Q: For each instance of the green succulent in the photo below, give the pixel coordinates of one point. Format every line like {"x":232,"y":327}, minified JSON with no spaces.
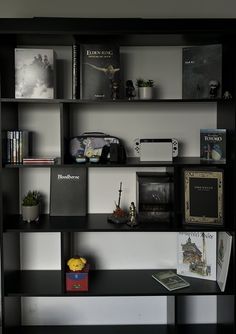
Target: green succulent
{"x":144,"y":83}
{"x":32,"y":198}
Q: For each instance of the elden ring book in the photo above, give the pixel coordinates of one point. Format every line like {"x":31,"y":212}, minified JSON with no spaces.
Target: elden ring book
{"x":197,"y":254}
{"x":34,"y":73}
{"x":100,"y":69}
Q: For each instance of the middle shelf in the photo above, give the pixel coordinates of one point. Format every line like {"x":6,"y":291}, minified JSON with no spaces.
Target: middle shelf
{"x":104,"y":283}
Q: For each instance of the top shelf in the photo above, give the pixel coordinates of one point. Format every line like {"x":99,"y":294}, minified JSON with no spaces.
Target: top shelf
{"x":74,"y":101}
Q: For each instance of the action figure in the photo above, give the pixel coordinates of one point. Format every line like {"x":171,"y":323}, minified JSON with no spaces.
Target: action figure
{"x":115,"y":90}
{"x":130,"y":90}
{"x":132,"y":215}
{"x":214,"y":86}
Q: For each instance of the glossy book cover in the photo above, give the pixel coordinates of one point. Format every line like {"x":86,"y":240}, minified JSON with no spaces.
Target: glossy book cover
{"x":197,"y":254}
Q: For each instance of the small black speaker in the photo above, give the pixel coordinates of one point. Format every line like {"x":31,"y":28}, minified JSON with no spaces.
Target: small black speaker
{"x":117,"y":153}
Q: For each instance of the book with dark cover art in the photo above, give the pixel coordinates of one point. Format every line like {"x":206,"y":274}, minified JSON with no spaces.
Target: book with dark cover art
{"x":202,"y":72}
{"x":213,"y":144}
{"x":100,"y":68}
{"x":68,"y":191}
{"x":203,"y":196}
{"x":34,"y":73}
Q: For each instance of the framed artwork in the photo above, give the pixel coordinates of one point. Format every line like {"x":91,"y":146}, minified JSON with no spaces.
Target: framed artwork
{"x":203,"y":197}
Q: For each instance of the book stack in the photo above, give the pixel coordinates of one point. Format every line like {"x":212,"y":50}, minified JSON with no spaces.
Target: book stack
{"x":39,"y":161}
{"x":17,"y":146}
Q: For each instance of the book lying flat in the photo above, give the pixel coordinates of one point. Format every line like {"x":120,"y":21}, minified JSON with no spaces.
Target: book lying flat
{"x":170,"y":280}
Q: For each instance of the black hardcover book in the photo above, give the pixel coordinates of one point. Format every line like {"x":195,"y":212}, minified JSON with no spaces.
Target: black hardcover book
{"x":100,"y":69}
{"x":203,"y":191}
{"x":75,"y":71}
{"x":213,"y":144}
{"x":202,"y":72}
{"x":68,"y":191}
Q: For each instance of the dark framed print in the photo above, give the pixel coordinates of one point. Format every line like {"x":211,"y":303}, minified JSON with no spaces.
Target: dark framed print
{"x":203,"y":197}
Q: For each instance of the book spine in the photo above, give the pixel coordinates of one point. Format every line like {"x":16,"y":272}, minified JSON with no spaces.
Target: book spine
{"x":13,"y":147}
{"x":25,"y":144}
{"x":17,"y":135}
{"x":9,"y":147}
{"x":75,"y":72}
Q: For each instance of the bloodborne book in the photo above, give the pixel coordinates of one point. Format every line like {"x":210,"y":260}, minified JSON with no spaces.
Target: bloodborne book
{"x":68,"y":191}
{"x":202,"y":72}
{"x":213,"y":144}
{"x":100,"y":69}
{"x":203,"y":196}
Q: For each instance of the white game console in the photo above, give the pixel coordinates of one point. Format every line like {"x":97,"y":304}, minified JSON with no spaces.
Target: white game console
{"x":156,"y":149}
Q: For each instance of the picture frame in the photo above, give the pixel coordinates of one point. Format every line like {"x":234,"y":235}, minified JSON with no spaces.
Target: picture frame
{"x":203,"y":197}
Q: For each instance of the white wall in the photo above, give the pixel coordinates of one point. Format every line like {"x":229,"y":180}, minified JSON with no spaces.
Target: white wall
{"x":121,"y":8}
{"x":175,"y":118}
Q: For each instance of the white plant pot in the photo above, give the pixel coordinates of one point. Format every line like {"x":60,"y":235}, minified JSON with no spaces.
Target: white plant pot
{"x":30,"y":213}
{"x":145,"y":93}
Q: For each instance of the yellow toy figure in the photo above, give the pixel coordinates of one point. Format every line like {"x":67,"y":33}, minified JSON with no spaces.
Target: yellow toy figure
{"x":76,"y":264}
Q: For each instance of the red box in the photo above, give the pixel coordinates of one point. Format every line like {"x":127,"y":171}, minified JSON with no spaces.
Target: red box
{"x":77,"y":280}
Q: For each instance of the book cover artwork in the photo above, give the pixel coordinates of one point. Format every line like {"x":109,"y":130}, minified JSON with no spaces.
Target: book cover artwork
{"x":34,"y":73}
{"x":213,"y":144}
{"x":100,"y":71}
{"x":223,"y":258}
{"x":202,"y":72}
{"x":203,"y":191}
{"x":170,"y":280}
{"x":197,"y":254}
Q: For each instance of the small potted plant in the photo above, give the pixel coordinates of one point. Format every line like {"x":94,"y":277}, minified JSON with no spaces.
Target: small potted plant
{"x":145,"y":89}
{"x":30,"y":206}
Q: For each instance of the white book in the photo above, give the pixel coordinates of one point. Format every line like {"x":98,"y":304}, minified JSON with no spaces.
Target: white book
{"x":223,"y":258}
{"x":197,"y":254}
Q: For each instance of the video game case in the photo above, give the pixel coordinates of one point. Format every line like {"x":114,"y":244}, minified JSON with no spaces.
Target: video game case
{"x":170,"y":280}
{"x":213,"y":144}
{"x":100,"y":68}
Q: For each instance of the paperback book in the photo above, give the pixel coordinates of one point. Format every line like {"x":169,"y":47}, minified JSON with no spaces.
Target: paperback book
{"x":202,"y":72}
{"x":223,"y":258}
{"x":213,"y":144}
{"x":34,"y":73}
{"x":170,"y":280}
{"x":197,"y":254}
{"x":100,"y":71}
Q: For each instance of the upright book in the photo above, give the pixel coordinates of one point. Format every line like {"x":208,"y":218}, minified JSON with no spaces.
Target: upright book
{"x":197,"y":254}
{"x":223,"y":258}
{"x":202,"y":72}
{"x":100,"y":69}
{"x":68,"y":191}
{"x":213,"y":144}
{"x":35,"y":73}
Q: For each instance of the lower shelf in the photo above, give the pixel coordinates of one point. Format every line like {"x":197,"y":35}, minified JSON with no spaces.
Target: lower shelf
{"x":124,"y":329}
{"x":103,"y":283}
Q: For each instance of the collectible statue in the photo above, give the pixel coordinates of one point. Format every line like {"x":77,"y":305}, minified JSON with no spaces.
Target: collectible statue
{"x":130,"y":90}
{"x":214,"y":86}
{"x":115,"y":86}
{"x":132,"y":215}
{"x":227,"y":95}
{"x":119,"y":216}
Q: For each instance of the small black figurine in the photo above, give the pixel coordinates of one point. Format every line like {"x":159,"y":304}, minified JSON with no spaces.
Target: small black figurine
{"x":227,"y":95}
{"x":115,"y":87}
{"x":214,"y":86}
{"x":130,"y":90}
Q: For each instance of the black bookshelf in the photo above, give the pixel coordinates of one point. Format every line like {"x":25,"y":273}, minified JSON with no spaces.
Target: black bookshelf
{"x":18,"y":283}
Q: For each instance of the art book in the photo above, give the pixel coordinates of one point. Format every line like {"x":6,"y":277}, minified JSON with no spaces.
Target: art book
{"x":170,"y":280}
{"x":100,"y":71}
{"x":223,"y":258}
{"x":197,"y":254}
{"x":34,"y":73}
{"x":213,"y":144}
{"x":202,"y":72}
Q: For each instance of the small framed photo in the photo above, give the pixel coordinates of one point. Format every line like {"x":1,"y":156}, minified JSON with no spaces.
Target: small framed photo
{"x":203,"y":197}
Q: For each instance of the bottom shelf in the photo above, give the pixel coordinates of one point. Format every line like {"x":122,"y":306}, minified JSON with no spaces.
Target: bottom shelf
{"x":125,"y":329}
